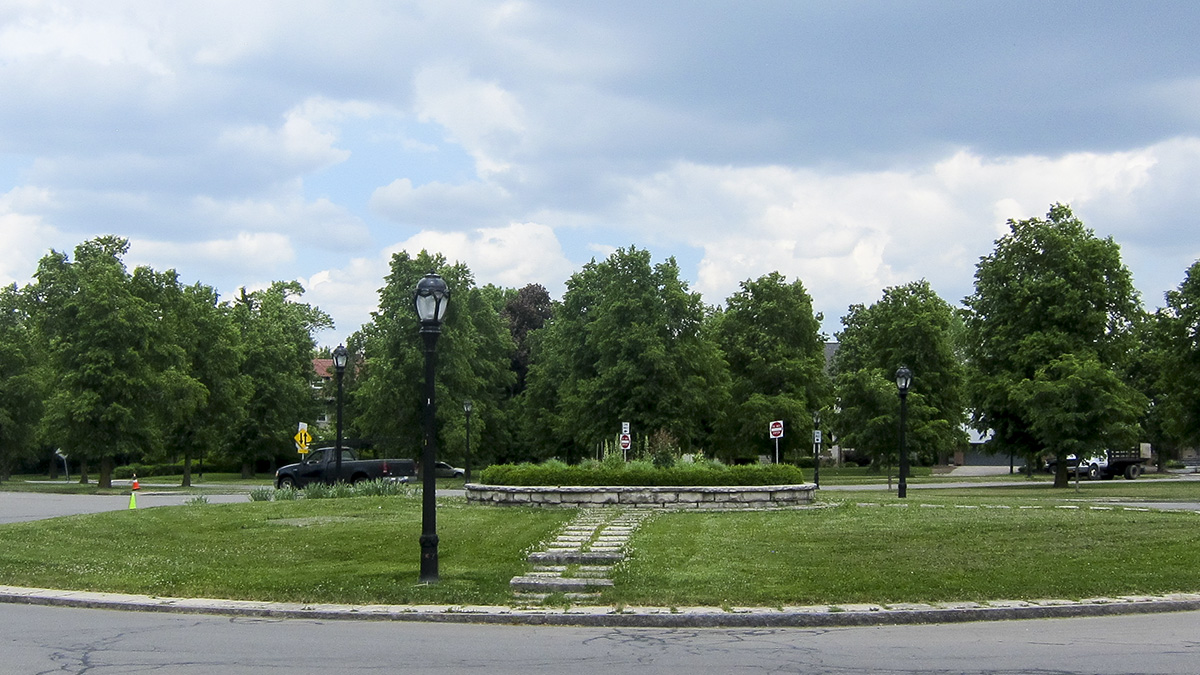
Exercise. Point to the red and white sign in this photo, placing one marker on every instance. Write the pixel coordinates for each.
(625, 441)
(777, 429)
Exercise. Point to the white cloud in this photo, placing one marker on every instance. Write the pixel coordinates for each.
(26, 237)
(260, 251)
(301, 144)
(60, 32)
(312, 221)
(482, 117)
(515, 255)
(441, 204)
(849, 235)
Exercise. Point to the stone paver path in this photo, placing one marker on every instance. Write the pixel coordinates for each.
(579, 562)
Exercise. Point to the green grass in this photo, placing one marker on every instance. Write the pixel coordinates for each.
(360, 550)
(365, 550)
(885, 554)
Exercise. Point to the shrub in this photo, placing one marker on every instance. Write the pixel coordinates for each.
(263, 494)
(381, 488)
(317, 491)
(642, 472)
(198, 500)
(287, 494)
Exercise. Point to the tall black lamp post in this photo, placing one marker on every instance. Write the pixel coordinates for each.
(903, 382)
(467, 412)
(339, 364)
(430, 299)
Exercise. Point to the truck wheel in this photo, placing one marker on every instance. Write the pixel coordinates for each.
(357, 478)
(1094, 472)
(1133, 471)
(286, 482)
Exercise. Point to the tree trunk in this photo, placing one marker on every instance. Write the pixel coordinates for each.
(247, 470)
(187, 469)
(106, 467)
(53, 466)
(83, 477)
(1060, 473)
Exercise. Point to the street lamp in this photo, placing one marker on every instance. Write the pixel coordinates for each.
(339, 364)
(467, 412)
(903, 382)
(430, 299)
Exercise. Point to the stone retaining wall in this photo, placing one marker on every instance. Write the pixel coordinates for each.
(685, 497)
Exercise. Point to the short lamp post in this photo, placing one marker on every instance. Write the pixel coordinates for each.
(467, 411)
(430, 299)
(903, 382)
(339, 365)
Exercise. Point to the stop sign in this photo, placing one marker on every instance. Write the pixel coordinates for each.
(625, 442)
(777, 429)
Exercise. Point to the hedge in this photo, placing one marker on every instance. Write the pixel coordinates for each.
(641, 474)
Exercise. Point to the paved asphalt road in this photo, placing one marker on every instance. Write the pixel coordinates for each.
(21, 506)
(101, 642)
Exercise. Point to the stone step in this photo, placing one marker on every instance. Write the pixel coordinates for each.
(525, 596)
(575, 558)
(554, 584)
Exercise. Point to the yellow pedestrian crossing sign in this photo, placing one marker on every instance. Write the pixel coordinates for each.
(303, 438)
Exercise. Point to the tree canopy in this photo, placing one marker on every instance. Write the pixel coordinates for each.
(910, 326)
(473, 356)
(1053, 303)
(626, 345)
(772, 343)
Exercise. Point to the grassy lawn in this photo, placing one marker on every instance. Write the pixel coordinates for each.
(885, 554)
(360, 550)
(946, 544)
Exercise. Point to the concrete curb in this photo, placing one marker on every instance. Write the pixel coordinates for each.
(628, 617)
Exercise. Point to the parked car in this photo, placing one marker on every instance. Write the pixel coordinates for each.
(444, 470)
(320, 466)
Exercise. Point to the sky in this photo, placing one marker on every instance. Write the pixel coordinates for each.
(851, 145)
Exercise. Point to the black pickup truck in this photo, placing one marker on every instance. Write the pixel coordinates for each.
(320, 466)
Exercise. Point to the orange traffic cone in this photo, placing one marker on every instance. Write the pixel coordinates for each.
(135, 483)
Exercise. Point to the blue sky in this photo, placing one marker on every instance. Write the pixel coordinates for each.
(852, 145)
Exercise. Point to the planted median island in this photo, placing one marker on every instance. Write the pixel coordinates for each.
(1023, 542)
(681, 485)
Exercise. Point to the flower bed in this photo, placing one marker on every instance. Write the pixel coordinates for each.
(642, 474)
(720, 498)
(697, 485)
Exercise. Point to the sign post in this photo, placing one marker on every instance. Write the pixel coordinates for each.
(302, 438)
(817, 457)
(776, 431)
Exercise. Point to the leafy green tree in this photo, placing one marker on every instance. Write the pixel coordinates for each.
(525, 311)
(1050, 289)
(910, 326)
(110, 378)
(203, 328)
(1178, 340)
(473, 358)
(771, 340)
(20, 390)
(1076, 405)
(276, 338)
(626, 345)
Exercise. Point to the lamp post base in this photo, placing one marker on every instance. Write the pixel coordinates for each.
(429, 559)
